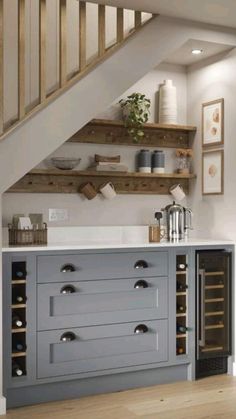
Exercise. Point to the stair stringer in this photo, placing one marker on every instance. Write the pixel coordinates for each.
(40, 135)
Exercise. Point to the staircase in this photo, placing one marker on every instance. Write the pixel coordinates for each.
(54, 101)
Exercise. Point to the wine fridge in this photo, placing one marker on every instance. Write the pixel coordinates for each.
(213, 312)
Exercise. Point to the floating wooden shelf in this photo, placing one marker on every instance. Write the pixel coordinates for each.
(181, 293)
(214, 326)
(181, 336)
(212, 348)
(181, 315)
(68, 181)
(214, 300)
(214, 313)
(214, 273)
(18, 281)
(181, 272)
(20, 330)
(13, 306)
(214, 287)
(100, 131)
(18, 354)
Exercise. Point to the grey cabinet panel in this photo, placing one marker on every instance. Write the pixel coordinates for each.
(101, 348)
(101, 302)
(102, 266)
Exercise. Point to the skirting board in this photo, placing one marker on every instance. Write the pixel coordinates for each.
(2, 405)
(105, 384)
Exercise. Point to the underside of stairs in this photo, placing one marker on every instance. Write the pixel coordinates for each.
(79, 97)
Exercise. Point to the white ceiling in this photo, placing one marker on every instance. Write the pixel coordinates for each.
(184, 54)
(220, 12)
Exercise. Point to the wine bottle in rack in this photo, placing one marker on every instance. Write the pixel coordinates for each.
(181, 308)
(17, 322)
(180, 350)
(181, 266)
(18, 347)
(181, 329)
(19, 270)
(181, 287)
(18, 297)
(17, 371)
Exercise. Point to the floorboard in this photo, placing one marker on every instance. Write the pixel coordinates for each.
(209, 398)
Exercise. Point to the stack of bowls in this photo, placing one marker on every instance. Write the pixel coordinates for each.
(167, 103)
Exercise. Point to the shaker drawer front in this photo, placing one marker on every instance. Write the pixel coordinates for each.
(101, 348)
(82, 267)
(100, 302)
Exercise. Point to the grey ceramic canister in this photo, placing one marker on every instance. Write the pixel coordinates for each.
(158, 161)
(144, 161)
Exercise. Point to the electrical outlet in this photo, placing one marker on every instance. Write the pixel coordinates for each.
(58, 214)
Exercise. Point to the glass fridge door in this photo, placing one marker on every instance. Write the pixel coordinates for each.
(213, 304)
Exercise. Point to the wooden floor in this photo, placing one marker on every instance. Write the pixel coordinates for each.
(210, 398)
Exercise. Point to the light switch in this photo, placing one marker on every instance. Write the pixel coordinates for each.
(58, 214)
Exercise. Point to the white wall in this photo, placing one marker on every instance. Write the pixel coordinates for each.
(135, 209)
(214, 216)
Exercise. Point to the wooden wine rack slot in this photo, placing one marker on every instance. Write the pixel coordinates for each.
(18, 310)
(214, 273)
(214, 287)
(214, 300)
(181, 298)
(18, 354)
(212, 348)
(214, 326)
(20, 330)
(18, 281)
(214, 313)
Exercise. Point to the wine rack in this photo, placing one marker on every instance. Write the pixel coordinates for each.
(18, 319)
(181, 304)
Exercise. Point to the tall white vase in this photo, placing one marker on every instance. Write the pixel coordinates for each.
(167, 103)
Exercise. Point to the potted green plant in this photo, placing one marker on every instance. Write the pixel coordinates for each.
(136, 110)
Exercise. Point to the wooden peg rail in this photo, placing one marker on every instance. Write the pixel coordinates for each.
(58, 181)
(100, 131)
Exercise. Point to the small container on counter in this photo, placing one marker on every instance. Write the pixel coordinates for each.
(158, 161)
(144, 161)
(155, 233)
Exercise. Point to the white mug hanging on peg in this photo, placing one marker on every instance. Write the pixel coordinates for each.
(108, 190)
(177, 192)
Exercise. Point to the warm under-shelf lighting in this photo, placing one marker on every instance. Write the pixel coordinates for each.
(197, 51)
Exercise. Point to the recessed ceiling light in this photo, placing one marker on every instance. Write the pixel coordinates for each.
(197, 51)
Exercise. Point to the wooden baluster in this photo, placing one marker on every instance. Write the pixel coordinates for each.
(1, 69)
(82, 35)
(63, 42)
(101, 30)
(137, 19)
(120, 25)
(42, 50)
(21, 58)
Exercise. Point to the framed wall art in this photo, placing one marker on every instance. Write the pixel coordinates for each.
(213, 172)
(213, 123)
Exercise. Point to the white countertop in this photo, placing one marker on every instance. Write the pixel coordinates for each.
(98, 238)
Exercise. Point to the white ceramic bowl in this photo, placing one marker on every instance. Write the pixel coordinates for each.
(65, 163)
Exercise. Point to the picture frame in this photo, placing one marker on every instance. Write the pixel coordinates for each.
(213, 172)
(213, 123)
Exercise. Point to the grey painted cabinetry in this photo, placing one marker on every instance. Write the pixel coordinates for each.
(96, 321)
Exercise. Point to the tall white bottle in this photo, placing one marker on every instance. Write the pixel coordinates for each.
(167, 103)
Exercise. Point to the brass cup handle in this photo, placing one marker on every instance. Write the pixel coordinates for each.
(141, 328)
(68, 289)
(141, 264)
(67, 268)
(141, 284)
(67, 337)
